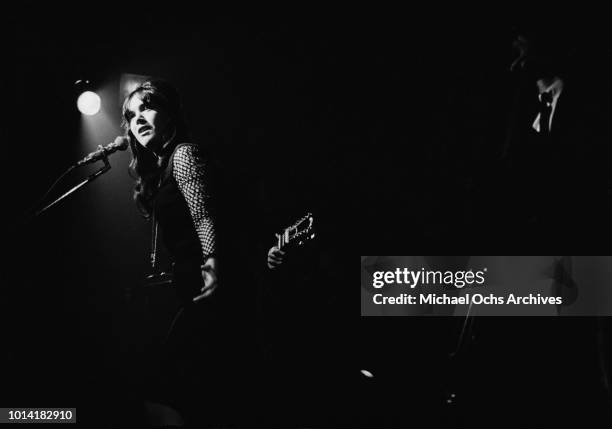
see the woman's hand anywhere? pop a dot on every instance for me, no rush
(275, 257)
(209, 277)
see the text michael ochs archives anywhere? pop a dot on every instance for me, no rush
(454, 281)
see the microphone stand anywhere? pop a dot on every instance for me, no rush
(90, 178)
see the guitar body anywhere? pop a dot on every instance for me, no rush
(185, 279)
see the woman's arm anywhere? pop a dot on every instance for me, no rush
(190, 172)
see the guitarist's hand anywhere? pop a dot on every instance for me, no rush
(275, 257)
(209, 277)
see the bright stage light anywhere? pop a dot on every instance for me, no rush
(367, 373)
(89, 103)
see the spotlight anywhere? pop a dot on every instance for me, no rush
(367, 373)
(89, 103)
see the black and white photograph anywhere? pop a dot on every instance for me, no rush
(186, 187)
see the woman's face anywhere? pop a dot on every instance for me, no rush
(147, 124)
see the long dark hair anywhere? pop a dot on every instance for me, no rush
(145, 168)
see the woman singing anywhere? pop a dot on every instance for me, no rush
(172, 184)
(173, 189)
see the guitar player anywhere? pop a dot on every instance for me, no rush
(300, 326)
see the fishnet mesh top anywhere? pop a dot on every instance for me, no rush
(184, 206)
(190, 172)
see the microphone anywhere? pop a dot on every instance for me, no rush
(120, 143)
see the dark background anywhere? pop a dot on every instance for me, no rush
(390, 123)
